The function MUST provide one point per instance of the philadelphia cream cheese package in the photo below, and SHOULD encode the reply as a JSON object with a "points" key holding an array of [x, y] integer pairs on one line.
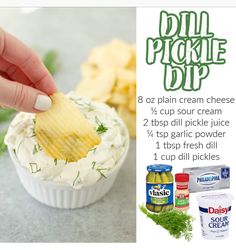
{"points": [[208, 178]]}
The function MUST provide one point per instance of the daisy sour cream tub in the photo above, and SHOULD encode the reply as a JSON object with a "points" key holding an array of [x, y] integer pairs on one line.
{"points": [[215, 210]]}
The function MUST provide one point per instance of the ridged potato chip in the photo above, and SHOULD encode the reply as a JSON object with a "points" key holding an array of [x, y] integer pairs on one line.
{"points": [[126, 76], [63, 132], [117, 53], [98, 87], [132, 98], [117, 98]]}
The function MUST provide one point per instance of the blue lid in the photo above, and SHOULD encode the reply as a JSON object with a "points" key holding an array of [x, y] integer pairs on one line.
{"points": [[159, 168]]}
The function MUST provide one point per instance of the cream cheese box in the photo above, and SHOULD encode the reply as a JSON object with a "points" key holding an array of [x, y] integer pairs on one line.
{"points": [[208, 178]]}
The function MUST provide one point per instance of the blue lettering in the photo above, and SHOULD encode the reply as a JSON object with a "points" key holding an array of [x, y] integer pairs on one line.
{"points": [[219, 222]]}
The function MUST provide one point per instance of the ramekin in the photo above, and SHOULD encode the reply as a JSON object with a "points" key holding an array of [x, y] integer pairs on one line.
{"points": [[62, 196]]}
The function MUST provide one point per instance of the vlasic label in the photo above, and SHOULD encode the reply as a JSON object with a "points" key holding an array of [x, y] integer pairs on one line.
{"points": [[159, 194]]}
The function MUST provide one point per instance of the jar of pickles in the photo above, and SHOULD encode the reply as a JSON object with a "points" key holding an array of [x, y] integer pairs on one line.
{"points": [[159, 188]]}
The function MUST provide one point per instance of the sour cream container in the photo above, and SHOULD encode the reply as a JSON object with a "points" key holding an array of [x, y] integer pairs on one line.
{"points": [[215, 210]]}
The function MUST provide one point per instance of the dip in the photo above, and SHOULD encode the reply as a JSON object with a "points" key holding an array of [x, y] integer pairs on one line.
{"points": [[99, 162]]}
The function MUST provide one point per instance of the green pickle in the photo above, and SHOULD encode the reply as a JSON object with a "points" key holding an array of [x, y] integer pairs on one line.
{"points": [[170, 176], [158, 178], [151, 177], [156, 209], [159, 186], [163, 208], [164, 178], [150, 207]]}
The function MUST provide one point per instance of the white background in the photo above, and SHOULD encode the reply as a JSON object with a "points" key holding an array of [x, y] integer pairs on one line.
{"points": [[149, 236], [219, 83], [134, 3]]}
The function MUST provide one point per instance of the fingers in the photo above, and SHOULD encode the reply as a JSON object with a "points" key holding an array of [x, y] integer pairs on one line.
{"points": [[22, 97], [3, 74], [15, 52], [14, 73]]}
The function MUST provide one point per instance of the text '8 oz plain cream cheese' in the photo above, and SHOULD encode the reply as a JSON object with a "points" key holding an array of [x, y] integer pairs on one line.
{"points": [[215, 210]]}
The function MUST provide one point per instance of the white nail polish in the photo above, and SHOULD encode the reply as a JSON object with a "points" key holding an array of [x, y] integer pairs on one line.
{"points": [[42, 103]]}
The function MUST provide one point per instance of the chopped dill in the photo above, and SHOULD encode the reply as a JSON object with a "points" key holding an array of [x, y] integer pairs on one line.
{"points": [[93, 150], [34, 167], [39, 147], [101, 129], [100, 172], [55, 161], [97, 120], [18, 148], [93, 164], [33, 133], [86, 105], [36, 149], [89, 106], [77, 176]]}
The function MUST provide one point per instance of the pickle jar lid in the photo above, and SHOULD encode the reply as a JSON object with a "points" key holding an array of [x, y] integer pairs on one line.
{"points": [[159, 168]]}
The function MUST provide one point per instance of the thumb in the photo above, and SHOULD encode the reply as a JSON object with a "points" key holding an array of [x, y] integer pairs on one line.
{"points": [[22, 97]]}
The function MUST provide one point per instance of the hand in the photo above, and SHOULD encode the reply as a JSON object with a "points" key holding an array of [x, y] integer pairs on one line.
{"points": [[25, 83]]}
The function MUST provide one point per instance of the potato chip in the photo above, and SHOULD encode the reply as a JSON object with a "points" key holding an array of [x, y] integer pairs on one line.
{"points": [[132, 98], [98, 87], [104, 98], [119, 60], [120, 53], [116, 54], [132, 64], [63, 132], [97, 58], [118, 98], [126, 76], [89, 70]]}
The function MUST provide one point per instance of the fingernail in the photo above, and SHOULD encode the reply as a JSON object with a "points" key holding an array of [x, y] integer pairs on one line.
{"points": [[42, 103]]}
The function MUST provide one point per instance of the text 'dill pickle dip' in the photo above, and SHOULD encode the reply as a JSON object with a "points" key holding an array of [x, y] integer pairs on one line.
{"points": [[159, 188]]}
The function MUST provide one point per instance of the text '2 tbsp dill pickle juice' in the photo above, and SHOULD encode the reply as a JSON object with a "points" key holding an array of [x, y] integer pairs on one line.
{"points": [[159, 188]]}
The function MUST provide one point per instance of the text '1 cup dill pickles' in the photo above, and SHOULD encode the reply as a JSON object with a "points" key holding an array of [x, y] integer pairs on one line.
{"points": [[159, 188]]}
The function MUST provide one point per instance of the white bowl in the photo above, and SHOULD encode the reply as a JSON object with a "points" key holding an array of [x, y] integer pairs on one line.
{"points": [[62, 196]]}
